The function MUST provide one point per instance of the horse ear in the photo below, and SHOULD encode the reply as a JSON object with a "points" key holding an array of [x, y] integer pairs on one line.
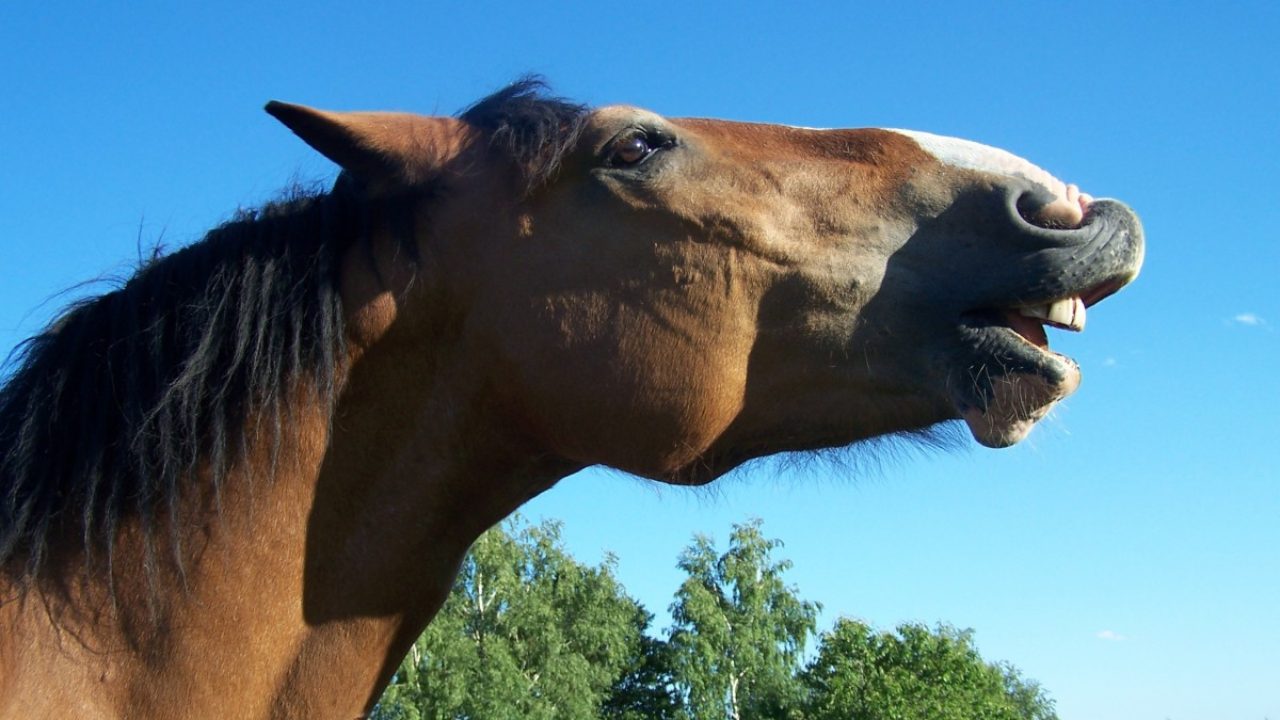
{"points": [[377, 147]]}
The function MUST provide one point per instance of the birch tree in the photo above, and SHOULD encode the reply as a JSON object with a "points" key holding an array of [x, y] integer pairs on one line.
{"points": [[527, 633], [739, 630]]}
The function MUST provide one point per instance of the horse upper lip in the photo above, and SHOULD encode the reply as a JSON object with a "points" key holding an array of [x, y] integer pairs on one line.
{"points": [[1106, 289], [1069, 312], [1053, 266]]}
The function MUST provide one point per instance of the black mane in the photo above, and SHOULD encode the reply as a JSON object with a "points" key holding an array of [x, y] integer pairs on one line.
{"points": [[109, 411], [128, 394]]}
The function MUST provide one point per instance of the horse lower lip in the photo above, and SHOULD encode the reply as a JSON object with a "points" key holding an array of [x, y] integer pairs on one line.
{"points": [[1005, 378], [1015, 404]]}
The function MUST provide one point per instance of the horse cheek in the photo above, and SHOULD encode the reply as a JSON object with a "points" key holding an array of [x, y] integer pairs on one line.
{"points": [[642, 390], [687, 398]]}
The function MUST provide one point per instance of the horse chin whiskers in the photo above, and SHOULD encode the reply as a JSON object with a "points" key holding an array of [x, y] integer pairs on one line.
{"points": [[867, 458]]}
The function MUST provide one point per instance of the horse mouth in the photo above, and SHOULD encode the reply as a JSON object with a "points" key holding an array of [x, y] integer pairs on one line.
{"points": [[1009, 378], [1027, 322]]}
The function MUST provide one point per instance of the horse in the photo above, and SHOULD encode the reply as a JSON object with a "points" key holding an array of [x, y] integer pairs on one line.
{"points": [[241, 483]]}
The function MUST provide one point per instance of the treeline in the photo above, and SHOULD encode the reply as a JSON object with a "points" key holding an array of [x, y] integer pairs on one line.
{"points": [[530, 633]]}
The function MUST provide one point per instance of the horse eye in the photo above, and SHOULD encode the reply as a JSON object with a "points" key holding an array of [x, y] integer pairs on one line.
{"points": [[631, 150]]}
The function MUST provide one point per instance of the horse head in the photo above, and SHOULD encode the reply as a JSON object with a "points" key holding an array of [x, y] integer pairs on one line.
{"points": [[673, 296]]}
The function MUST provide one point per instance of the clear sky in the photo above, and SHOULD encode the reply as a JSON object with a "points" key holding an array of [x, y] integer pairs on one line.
{"points": [[1127, 555]]}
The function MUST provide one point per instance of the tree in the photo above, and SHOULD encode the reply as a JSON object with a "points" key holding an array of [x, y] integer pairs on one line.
{"points": [[738, 631], [914, 674], [648, 689], [527, 632]]}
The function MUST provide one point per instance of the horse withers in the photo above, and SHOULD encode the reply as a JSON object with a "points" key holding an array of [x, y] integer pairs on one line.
{"points": [[241, 484]]}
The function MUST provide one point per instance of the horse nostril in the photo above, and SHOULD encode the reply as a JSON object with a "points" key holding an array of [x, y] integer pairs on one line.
{"points": [[1054, 212]]}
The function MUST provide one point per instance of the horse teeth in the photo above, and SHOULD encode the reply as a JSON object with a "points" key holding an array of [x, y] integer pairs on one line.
{"points": [[1068, 314]]}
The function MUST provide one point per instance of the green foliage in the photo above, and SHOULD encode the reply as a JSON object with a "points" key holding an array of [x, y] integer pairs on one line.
{"points": [[915, 674], [739, 631], [526, 633], [648, 690]]}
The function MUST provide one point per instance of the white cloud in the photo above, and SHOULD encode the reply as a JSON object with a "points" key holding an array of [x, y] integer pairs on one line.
{"points": [[1111, 636], [1248, 318]]}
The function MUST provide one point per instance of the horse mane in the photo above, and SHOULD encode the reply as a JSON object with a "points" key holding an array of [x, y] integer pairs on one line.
{"points": [[127, 394], [126, 398]]}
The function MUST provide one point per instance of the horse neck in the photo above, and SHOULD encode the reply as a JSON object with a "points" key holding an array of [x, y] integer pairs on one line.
{"points": [[297, 596], [419, 463]]}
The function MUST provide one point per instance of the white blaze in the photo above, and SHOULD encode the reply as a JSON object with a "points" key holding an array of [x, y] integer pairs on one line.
{"points": [[976, 156], [1071, 205]]}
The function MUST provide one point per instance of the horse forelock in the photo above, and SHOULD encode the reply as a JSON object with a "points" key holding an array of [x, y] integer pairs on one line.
{"points": [[533, 128], [110, 411]]}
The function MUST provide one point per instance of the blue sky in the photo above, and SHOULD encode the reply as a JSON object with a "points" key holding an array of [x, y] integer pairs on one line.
{"points": [[1127, 555]]}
